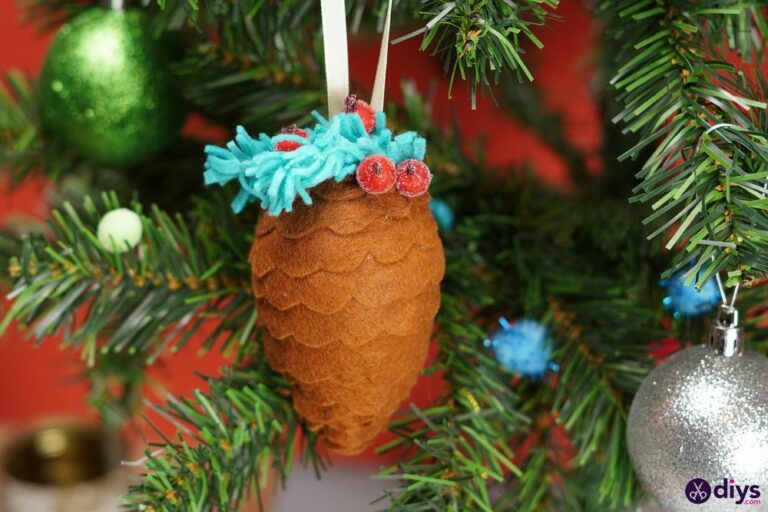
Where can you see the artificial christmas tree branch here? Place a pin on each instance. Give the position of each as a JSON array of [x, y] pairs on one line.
[[16, 129], [597, 377], [480, 41], [23, 149], [248, 91], [116, 387], [233, 440], [182, 275], [754, 306], [706, 178], [742, 25]]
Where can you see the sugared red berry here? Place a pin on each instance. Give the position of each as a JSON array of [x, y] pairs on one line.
[[291, 145], [412, 178], [376, 174], [363, 109]]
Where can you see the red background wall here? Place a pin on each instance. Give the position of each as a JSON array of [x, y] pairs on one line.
[[39, 382]]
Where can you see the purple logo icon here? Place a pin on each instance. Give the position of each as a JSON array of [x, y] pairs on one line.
[[698, 491]]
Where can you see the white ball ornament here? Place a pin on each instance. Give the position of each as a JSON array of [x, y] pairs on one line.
[[698, 427], [120, 230]]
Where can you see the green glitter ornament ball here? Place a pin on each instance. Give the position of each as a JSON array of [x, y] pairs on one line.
[[106, 89]]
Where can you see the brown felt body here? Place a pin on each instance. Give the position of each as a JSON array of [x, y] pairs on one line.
[[347, 291]]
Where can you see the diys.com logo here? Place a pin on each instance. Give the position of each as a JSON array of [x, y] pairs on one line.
[[699, 491]]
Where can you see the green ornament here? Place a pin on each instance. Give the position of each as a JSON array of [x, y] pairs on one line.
[[107, 91]]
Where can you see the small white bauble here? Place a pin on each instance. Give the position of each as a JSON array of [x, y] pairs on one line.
[[120, 230]]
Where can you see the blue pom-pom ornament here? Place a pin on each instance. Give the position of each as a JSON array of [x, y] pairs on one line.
[[686, 301], [442, 212], [524, 347]]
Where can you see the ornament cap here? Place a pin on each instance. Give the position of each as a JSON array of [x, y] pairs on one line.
[[726, 336]]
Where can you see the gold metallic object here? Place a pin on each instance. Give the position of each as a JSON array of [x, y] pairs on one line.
[[60, 456]]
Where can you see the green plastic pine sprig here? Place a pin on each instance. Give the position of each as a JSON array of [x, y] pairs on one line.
[[479, 41], [234, 442], [704, 121], [23, 148], [145, 301]]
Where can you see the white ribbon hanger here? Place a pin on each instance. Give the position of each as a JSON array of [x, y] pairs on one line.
[[377, 99], [334, 18], [336, 53]]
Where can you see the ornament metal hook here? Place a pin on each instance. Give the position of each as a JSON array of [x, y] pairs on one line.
[[726, 336]]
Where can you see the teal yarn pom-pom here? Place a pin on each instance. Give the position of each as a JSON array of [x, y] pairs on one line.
[[332, 150]]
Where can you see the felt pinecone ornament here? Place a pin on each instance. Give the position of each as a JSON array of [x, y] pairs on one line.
[[347, 280], [347, 292]]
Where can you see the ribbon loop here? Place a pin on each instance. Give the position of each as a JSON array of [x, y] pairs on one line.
[[334, 19], [377, 100]]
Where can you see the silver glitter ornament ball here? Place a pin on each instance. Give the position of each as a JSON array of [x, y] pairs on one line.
[[698, 429]]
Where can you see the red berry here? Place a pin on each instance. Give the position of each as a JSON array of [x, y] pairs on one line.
[[287, 145], [412, 178], [376, 174], [290, 145], [362, 109]]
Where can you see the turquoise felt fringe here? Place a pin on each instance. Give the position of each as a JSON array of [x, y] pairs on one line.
[[333, 150]]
